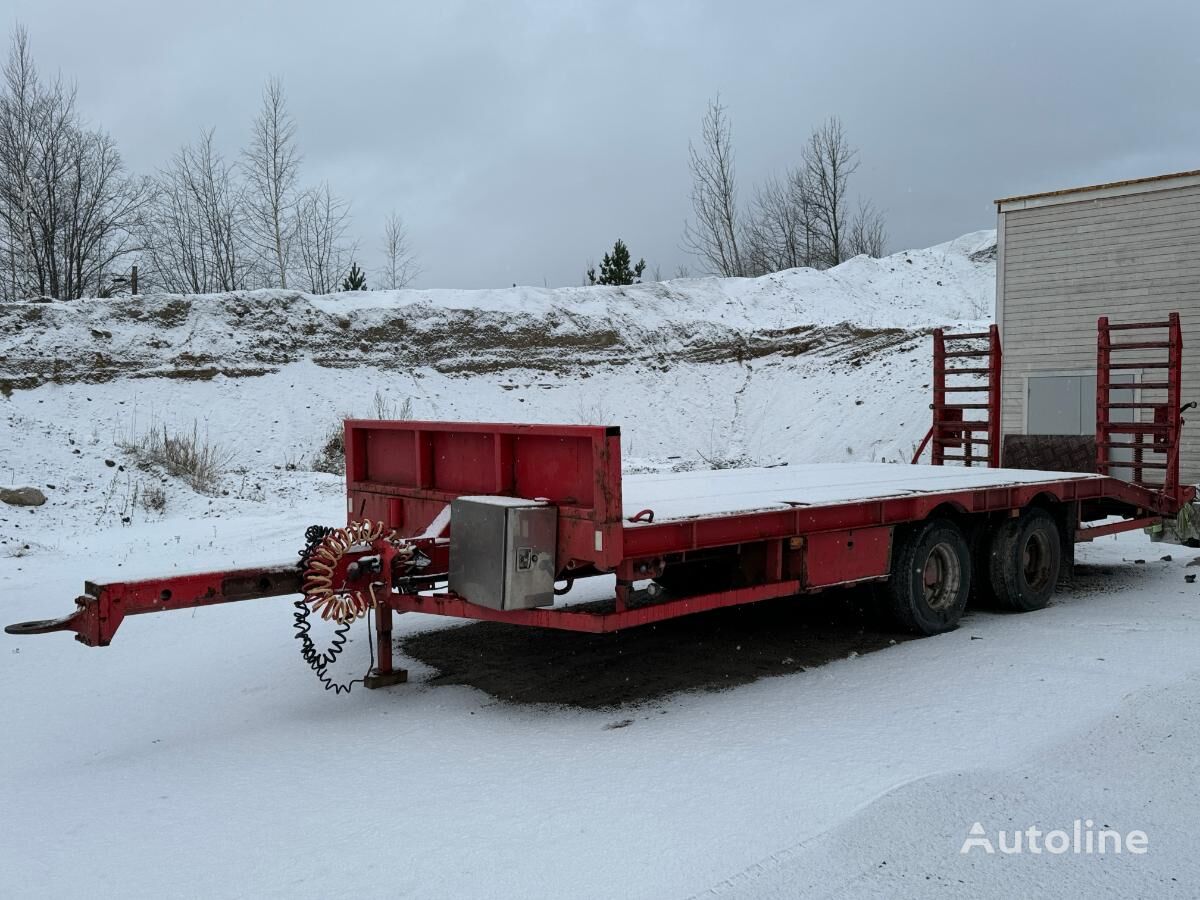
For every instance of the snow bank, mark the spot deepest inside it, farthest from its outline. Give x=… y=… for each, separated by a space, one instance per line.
x=863 y=305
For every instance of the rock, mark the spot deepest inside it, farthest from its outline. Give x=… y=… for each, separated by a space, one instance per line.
x=110 y=462
x=26 y=496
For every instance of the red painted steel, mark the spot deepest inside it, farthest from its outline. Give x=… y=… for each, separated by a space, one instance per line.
x=995 y=373
x=568 y=619
x=718 y=531
x=102 y=608
x=951 y=429
x=1160 y=437
x=844 y=557
x=1089 y=533
x=403 y=473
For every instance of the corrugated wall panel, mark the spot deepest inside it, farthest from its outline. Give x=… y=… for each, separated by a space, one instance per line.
x=1133 y=258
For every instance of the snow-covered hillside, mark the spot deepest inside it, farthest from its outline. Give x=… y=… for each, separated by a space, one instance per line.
x=802 y=366
x=564 y=330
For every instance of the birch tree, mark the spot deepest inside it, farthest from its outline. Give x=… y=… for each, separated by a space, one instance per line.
x=828 y=163
x=323 y=253
x=271 y=166
x=713 y=235
x=399 y=261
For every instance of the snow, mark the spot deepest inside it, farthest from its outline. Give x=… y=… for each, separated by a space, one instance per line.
x=906 y=289
x=681 y=495
x=508 y=502
x=198 y=755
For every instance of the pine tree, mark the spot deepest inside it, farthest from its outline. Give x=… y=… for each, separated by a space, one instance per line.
x=356 y=280
x=615 y=268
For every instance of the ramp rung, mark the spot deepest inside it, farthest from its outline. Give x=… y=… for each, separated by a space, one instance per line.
x=1136 y=427
x=984 y=352
x=980 y=370
x=966 y=336
x=1136 y=385
x=1145 y=448
x=967 y=387
x=1130 y=326
x=1141 y=345
x=952 y=425
x=1140 y=365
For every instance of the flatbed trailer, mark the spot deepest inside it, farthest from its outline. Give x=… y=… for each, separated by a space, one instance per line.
x=498 y=521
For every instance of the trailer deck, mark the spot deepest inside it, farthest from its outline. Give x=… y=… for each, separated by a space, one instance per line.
x=694 y=494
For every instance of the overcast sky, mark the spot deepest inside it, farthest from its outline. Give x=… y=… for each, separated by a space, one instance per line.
x=519 y=139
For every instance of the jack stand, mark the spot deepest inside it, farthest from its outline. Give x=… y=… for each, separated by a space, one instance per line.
x=378 y=679
x=384 y=674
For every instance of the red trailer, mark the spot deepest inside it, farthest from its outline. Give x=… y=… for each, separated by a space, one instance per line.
x=498 y=521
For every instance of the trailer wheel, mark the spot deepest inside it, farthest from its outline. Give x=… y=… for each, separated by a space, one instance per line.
x=931 y=578
x=1025 y=560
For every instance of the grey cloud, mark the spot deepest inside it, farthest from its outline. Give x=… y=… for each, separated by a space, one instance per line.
x=519 y=139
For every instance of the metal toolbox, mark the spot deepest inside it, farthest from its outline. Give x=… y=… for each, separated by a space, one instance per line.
x=502 y=551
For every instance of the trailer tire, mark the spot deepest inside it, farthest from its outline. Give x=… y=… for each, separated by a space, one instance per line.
x=931 y=578
x=1025 y=561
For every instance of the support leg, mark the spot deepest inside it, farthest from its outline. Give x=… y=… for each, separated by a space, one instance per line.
x=623 y=589
x=384 y=675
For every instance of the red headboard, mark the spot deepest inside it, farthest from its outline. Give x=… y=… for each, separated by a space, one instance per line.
x=404 y=473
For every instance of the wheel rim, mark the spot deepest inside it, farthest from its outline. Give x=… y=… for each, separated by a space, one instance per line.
x=1035 y=560
x=941 y=577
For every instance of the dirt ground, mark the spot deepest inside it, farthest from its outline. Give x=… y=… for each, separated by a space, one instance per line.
x=705 y=652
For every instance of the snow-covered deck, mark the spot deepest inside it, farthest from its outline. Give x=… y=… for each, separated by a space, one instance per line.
x=682 y=495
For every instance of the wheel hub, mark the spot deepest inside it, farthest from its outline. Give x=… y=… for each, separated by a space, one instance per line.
x=941 y=576
x=1035 y=561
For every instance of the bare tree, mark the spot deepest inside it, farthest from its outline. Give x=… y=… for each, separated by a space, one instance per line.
x=68 y=212
x=19 y=107
x=271 y=165
x=399 y=261
x=867 y=233
x=195 y=241
x=322 y=252
x=713 y=237
x=782 y=230
x=774 y=234
x=828 y=163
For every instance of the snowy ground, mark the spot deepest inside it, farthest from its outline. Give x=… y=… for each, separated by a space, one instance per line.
x=197 y=755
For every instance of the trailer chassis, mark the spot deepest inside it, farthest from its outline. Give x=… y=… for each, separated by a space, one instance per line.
x=403 y=475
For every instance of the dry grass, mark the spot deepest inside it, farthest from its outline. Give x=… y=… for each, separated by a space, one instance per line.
x=389 y=409
x=331 y=458
x=153 y=498
x=189 y=455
